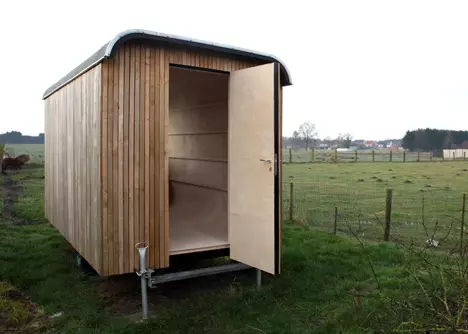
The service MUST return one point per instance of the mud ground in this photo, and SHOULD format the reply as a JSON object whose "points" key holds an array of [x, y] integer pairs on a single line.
{"points": [[10, 190], [10, 297]]}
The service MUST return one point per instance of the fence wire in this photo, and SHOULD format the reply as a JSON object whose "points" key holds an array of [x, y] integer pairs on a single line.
{"points": [[300, 155], [416, 215]]}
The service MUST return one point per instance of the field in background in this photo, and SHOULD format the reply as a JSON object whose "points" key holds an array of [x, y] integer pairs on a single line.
{"points": [[359, 193], [300, 155], [35, 151]]}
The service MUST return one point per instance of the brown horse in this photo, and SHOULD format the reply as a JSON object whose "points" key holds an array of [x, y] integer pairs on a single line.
{"points": [[14, 163], [23, 158]]}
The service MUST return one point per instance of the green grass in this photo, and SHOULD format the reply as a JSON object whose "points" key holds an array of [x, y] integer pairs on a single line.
{"points": [[359, 192], [17, 311], [317, 290]]}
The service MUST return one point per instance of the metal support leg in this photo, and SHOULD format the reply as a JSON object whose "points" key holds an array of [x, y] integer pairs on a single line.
{"points": [[259, 278], [144, 297], [79, 260], [143, 273]]}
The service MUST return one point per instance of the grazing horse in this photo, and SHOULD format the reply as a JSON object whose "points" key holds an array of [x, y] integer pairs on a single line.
{"points": [[23, 158], [14, 163]]}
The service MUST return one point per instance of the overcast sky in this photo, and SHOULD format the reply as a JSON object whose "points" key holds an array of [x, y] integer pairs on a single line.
{"points": [[370, 68]]}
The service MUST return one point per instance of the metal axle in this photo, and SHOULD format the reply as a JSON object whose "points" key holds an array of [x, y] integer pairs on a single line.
{"points": [[181, 275]]}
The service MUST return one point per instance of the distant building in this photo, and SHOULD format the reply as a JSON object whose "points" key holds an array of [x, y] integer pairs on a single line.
{"points": [[394, 146], [322, 146], [370, 143]]}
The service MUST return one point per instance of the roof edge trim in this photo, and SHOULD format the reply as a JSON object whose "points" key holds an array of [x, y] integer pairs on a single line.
{"points": [[110, 47], [84, 70], [194, 42]]}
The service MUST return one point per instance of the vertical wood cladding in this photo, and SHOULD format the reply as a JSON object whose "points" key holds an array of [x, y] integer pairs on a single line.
{"points": [[72, 160], [135, 109]]}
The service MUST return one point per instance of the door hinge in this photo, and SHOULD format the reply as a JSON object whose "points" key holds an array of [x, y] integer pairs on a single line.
{"points": [[276, 164]]}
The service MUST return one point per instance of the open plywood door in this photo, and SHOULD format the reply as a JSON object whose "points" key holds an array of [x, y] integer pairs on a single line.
{"points": [[254, 222]]}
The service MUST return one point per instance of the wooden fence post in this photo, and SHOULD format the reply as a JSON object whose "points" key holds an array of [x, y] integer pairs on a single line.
{"points": [[464, 155], [404, 156], [290, 156], [373, 155], [336, 220], [391, 156], [355, 155], [462, 223], [291, 201], [418, 157], [336, 155], [313, 154], [430, 155], [388, 215]]}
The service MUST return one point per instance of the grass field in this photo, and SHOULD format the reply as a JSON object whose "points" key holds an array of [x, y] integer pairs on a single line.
{"points": [[326, 284], [359, 192]]}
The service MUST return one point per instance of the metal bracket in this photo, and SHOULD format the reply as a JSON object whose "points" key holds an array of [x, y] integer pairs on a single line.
{"points": [[146, 273]]}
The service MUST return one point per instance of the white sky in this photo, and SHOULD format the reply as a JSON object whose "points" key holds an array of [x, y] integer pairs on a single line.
{"points": [[370, 68]]}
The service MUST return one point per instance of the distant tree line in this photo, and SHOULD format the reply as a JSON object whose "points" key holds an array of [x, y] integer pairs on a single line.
{"points": [[15, 137], [434, 140], [306, 137]]}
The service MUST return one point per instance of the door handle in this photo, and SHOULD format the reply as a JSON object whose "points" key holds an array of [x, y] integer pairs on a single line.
{"points": [[269, 161]]}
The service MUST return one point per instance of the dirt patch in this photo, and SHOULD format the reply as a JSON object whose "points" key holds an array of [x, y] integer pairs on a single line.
{"points": [[10, 190], [18, 314]]}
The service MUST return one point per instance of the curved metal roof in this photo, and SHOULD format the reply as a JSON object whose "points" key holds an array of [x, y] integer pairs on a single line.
{"points": [[109, 49]]}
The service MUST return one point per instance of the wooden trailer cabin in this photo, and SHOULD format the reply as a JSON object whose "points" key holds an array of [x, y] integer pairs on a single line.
{"points": [[169, 141]]}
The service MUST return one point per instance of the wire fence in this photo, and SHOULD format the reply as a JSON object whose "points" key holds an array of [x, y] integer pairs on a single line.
{"points": [[301, 155], [414, 216]]}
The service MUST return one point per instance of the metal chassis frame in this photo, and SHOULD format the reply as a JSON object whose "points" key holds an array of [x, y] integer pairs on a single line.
{"points": [[149, 281]]}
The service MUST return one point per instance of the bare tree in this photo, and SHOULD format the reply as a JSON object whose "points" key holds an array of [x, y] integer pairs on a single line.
{"points": [[347, 140], [344, 140], [296, 139], [448, 140], [307, 133]]}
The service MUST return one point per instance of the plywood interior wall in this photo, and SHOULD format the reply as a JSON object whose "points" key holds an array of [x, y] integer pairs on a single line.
{"points": [[72, 164], [135, 164], [198, 122]]}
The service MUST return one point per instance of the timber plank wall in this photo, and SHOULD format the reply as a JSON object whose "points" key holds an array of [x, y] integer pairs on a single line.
{"points": [[126, 162], [72, 158]]}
